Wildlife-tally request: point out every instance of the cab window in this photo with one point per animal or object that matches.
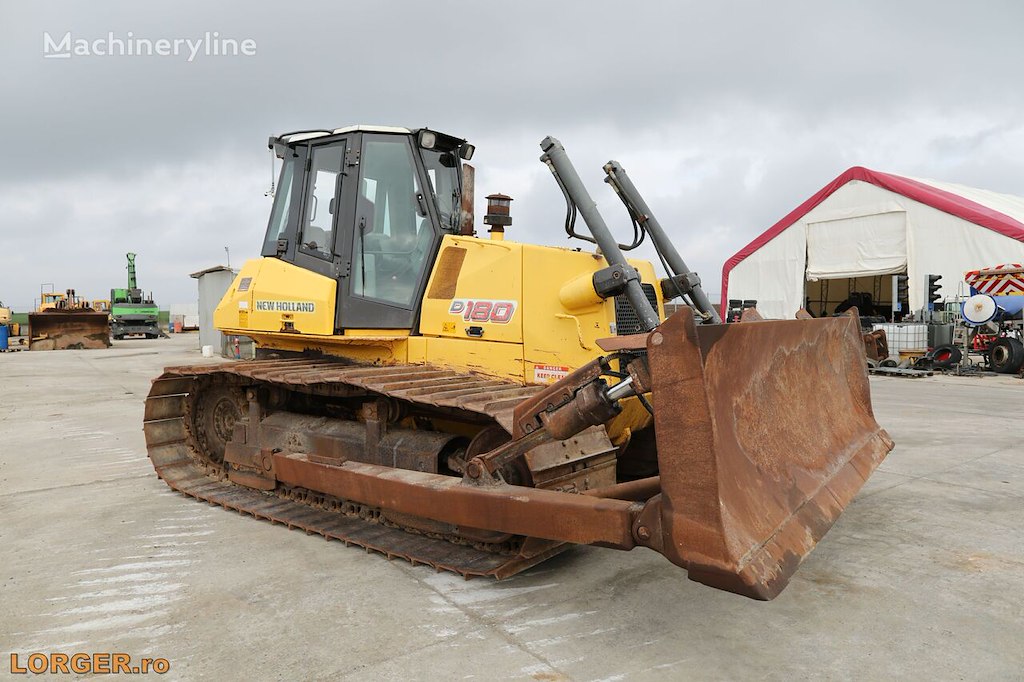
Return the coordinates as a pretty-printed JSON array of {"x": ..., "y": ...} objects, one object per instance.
[{"x": 316, "y": 233}]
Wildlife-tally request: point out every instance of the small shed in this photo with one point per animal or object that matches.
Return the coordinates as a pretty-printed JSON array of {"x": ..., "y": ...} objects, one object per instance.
[
  {"x": 213, "y": 284},
  {"x": 864, "y": 227}
]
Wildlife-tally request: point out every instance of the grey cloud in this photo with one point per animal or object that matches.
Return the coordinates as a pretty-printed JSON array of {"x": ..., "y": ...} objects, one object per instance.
[{"x": 727, "y": 114}]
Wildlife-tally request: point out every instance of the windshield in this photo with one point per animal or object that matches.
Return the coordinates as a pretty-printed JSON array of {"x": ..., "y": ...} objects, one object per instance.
[
  {"x": 282, "y": 203},
  {"x": 443, "y": 171}
]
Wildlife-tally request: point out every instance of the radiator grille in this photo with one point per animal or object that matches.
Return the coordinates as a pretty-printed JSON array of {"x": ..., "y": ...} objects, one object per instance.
[{"x": 626, "y": 320}]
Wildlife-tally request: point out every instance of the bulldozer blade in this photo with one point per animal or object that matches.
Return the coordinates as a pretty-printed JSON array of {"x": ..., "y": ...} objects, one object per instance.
[
  {"x": 764, "y": 434},
  {"x": 68, "y": 329}
]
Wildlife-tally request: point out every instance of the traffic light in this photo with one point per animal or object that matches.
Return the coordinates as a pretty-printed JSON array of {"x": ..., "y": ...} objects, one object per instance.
[
  {"x": 931, "y": 289},
  {"x": 900, "y": 293}
]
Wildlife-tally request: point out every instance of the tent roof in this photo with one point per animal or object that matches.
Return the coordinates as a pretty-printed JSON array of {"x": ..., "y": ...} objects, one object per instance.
[{"x": 1002, "y": 213}]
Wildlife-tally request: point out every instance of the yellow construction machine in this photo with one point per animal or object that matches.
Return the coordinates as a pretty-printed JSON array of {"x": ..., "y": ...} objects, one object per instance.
[
  {"x": 479, "y": 405},
  {"x": 66, "y": 321},
  {"x": 49, "y": 300}
]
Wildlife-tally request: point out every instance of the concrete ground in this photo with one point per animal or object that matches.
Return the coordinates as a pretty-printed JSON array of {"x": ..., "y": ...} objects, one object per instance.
[{"x": 922, "y": 577}]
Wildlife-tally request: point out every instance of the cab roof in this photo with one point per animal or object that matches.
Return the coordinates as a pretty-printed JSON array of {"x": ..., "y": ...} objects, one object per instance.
[{"x": 300, "y": 135}]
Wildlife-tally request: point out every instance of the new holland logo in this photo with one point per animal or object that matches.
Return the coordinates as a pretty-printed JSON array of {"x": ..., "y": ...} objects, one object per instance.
[
  {"x": 286, "y": 306},
  {"x": 483, "y": 310}
]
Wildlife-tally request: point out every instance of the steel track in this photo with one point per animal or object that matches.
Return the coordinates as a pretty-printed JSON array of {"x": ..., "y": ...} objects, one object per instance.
[{"x": 176, "y": 456}]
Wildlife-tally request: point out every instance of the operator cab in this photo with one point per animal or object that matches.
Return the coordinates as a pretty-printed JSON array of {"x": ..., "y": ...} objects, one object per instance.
[{"x": 367, "y": 206}]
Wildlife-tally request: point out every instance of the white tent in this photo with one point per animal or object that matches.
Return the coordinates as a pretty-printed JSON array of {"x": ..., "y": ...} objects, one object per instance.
[{"x": 866, "y": 223}]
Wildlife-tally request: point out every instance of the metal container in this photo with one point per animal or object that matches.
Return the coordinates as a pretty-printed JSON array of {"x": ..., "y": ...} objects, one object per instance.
[
  {"x": 940, "y": 335},
  {"x": 904, "y": 336}
]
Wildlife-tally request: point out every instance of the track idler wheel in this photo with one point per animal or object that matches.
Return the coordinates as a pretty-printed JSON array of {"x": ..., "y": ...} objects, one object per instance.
[{"x": 214, "y": 415}]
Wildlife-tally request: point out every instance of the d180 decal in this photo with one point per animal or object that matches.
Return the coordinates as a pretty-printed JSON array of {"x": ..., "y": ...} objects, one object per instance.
[{"x": 483, "y": 310}]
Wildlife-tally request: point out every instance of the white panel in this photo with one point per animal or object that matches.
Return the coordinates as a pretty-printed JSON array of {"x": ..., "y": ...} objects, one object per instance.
[
  {"x": 874, "y": 244},
  {"x": 773, "y": 275},
  {"x": 942, "y": 244},
  {"x": 854, "y": 196}
]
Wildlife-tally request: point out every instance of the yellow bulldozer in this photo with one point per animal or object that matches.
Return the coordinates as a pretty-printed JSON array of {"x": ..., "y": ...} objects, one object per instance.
[
  {"x": 66, "y": 321},
  {"x": 479, "y": 405}
]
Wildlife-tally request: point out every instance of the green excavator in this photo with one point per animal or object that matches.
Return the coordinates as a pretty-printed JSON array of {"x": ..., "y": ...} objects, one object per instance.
[{"x": 133, "y": 312}]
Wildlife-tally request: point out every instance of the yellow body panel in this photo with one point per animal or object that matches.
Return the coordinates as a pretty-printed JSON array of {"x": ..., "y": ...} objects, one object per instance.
[
  {"x": 504, "y": 309},
  {"x": 269, "y": 295},
  {"x": 552, "y": 338},
  {"x": 490, "y": 272},
  {"x": 556, "y": 336},
  {"x": 503, "y": 360}
]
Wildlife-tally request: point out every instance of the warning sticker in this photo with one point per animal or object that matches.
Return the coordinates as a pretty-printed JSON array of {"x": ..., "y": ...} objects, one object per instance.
[{"x": 549, "y": 374}]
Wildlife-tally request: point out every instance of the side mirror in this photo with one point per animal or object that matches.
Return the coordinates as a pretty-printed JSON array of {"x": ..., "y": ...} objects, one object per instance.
[{"x": 466, "y": 151}]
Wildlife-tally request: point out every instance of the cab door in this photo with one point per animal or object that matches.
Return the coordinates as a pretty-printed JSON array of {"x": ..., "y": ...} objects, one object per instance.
[
  {"x": 326, "y": 208},
  {"x": 313, "y": 206},
  {"x": 393, "y": 240}
]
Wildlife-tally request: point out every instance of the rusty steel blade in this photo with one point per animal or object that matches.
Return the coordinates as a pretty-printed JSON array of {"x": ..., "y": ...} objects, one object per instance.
[
  {"x": 764, "y": 434},
  {"x": 68, "y": 329}
]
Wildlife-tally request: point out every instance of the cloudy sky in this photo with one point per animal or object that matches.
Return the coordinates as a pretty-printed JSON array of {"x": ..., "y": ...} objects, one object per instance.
[{"x": 727, "y": 115}]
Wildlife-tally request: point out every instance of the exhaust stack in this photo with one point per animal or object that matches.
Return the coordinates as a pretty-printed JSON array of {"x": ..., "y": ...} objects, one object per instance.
[{"x": 498, "y": 215}]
